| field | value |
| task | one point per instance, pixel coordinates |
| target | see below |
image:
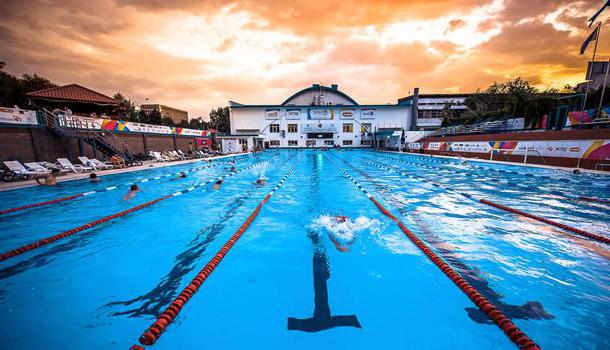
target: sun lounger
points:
(35, 167)
(19, 170)
(68, 166)
(159, 157)
(96, 163)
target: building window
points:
(293, 142)
(365, 128)
(243, 141)
(274, 143)
(347, 142)
(275, 128)
(329, 143)
(348, 127)
(292, 128)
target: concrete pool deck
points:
(146, 165)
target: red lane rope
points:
(594, 236)
(595, 200)
(154, 331)
(506, 325)
(40, 204)
(48, 240)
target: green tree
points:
(167, 122)
(154, 117)
(220, 120)
(13, 90)
(126, 109)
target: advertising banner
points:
(17, 116)
(586, 149)
(348, 113)
(123, 126)
(367, 113)
(272, 114)
(320, 114)
(293, 114)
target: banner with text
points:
(17, 116)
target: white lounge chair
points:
(176, 155)
(85, 162)
(96, 163)
(159, 157)
(37, 168)
(68, 166)
(21, 171)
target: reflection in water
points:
(164, 293)
(322, 318)
(531, 310)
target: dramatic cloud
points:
(196, 55)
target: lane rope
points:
(444, 166)
(154, 331)
(590, 235)
(594, 200)
(518, 337)
(106, 189)
(41, 243)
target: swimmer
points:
(133, 189)
(217, 185)
(233, 170)
(340, 219)
(182, 175)
(93, 178)
(260, 181)
(49, 179)
(576, 172)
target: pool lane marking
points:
(43, 242)
(154, 331)
(432, 159)
(507, 182)
(502, 321)
(576, 231)
(110, 188)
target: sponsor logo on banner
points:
(272, 114)
(320, 114)
(367, 113)
(293, 114)
(348, 113)
(17, 116)
(127, 127)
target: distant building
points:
(174, 114)
(317, 116)
(596, 72)
(428, 109)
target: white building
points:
(318, 116)
(430, 108)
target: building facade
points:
(174, 114)
(318, 116)
(596, 76)
(430, 109)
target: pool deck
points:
(541, 166)
(148, 164)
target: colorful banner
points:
(17, 116)
(320, 114)
(367, 113)
(123, 126)
(348, 113)
(272, 114)
(293, 114)
(580, 117)
(586, 149)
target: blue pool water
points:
(102, 287)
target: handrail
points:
(532, 149)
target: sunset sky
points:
(196, 55)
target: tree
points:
(198, 123)
(126, 110)
(154, 117)
(13, 90)
(167, 121)
(220, 120)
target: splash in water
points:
(260, 169)
(345, 229)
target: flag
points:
(592, 37)
(599, 12)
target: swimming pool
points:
(299, 277)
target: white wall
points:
(252, 120)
